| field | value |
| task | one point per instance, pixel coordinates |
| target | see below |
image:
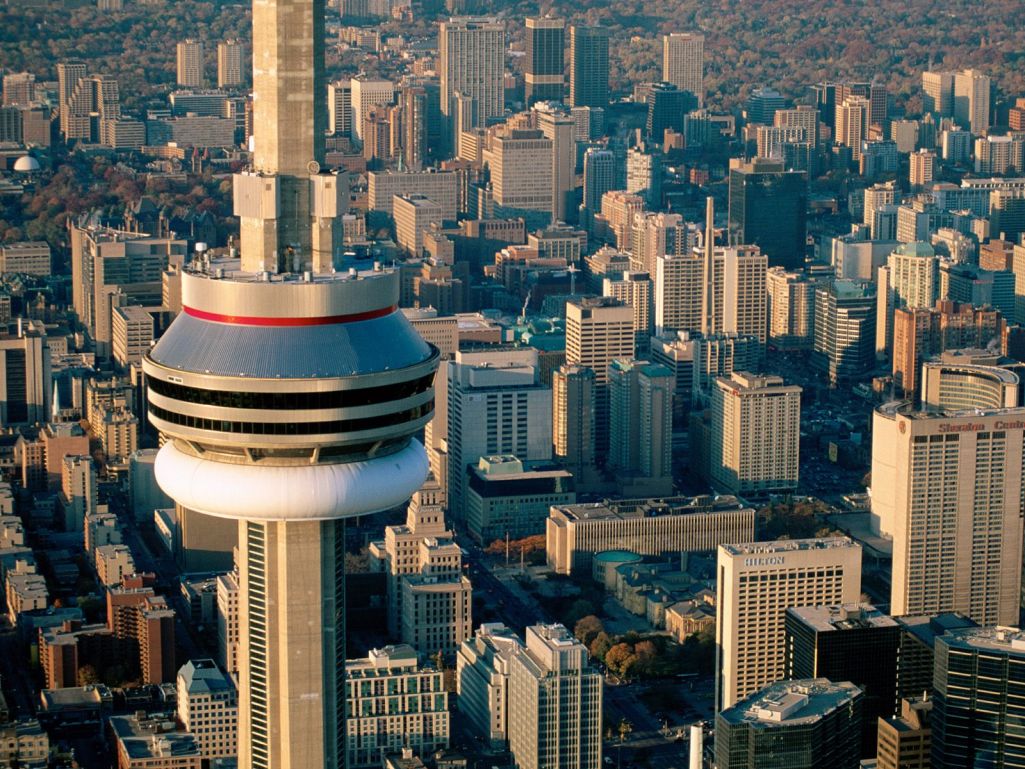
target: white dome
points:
(26, 164)
(292, 492)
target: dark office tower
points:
(853, 642)
(667, 106)
(599, 178)
(763, 104)
(845, 323)
(918, 636)
(768, 208)
(588, 66)
(414, 127)
(979, 699)
(806, 724)
(546, 59)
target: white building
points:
(482, 680)
(555, 703)
(113, 563)
(227, 621)
(758, 582)
(756, 432)
(392, 703)
(683, 62)
(947, 488)
(208, 708)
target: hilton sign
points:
(774, 560)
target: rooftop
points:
(788, 546)
(203, 677)
(1005, 640)
(792, 703)
(628, 509)
(850, 616)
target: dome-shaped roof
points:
(26, 164)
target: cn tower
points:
(288, 392)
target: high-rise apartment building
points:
(910, 279)
(852, 123)
(368, 93)
(555, 702)
(260, 449)
(757, 583)
(230, 72)
(588, 66)
(544, 72)
(416, 122)
(683, 62)
(599, 331)
(558, 126)
(482, 682)
(938, 93)
(768, 209)
(922, 171)
(790, 308)
(573, 413)
(191, 66)
(522, 171)
(599, 178)
(756, 431)
(946, 487)
(804, 724)
(472, 54)
(919, 334)
(634, 289)
(972, 100)
(641, 426)
(979, 699)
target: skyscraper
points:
(641, 426)
(758, 582)
(588, 66)
(683, 62)
(555, 703)
(852, 122)
(946, 489)
(472, 53)
(598, 331)
(191, 70)
(289, 445)
(756, 430)
(573, 406)
(768, 208)
(978, 714)
(938, 93)
(599, 178)
(845, 328)
(803, 724)
(667, 106)
(971, 100)
(546, 59)
(229, 64)
(558, 126)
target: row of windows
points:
(333, 399)
(293, 428)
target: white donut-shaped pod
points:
(292, 492)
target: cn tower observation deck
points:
(290, 396)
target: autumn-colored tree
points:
(587, 629)
(600, 646)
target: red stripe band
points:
(323, 320)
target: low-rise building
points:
(154, 742)
(393, 702)
(652, 526)
(505, 499)
(113, 563)
(25, 742)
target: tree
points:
(587, 628)
(620, 658)
(600, 646)
(87, 675)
